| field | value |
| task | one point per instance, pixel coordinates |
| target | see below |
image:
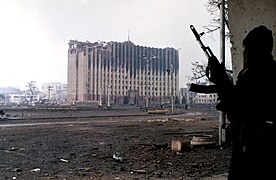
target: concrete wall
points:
(244, 15)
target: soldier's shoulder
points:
(273, 63)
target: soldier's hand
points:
(216, 72)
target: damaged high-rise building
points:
(121, 73)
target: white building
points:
(201, 98)
(54, 91)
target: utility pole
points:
(170, 76)
(5, 97)
(49, 92)
(222, 118)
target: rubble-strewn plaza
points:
(121, 143)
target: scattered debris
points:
(64, 160)
(94, 155)
(181, 145)
(3, 114)
(130, 136)
(35, 170)
(159, 111)
(85, 169)
(117, 157)
(140, 171)
(159, 120)
(13, 149)
(203, 141)
(17, 170)
(159, 146)
(179, 153)
(184, 119)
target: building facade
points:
(202, 98)
(121, 73)
(54, 91)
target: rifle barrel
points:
(207, 51)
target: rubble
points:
(82, 147)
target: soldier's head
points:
(258, 43)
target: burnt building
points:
(121, 73)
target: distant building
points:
(16, 99)
(202, 98)
(54, 91)
(199, 98)
(122, 73)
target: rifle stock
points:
(204, 89)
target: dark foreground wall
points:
(245, 15)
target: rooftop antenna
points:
(128, 38)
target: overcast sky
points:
(34, 34)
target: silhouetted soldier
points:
(250, 108)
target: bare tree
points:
(31, 88)
(213, 6)
(198, 71)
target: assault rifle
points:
(209, 54)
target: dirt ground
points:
(122, 143)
